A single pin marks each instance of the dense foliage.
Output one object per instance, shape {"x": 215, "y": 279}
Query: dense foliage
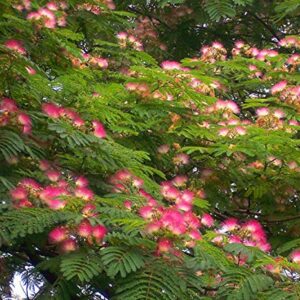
{"x": 128, "y": 175}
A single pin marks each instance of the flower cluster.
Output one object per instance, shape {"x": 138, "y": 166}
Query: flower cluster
{"x": 125, "y": 39}
{"x": 16, "y": 46}
{"x": 11, "y": 114}
{"x": 250, "y": 233}
{"x": 290, "y": 42}
{"x": 125, "y": 181}
{"x": 50, "y": 16}
{"x": 213, "y": 53}
{"x": 29, "y": 192}
{"x": 269, "y": 119}
{"x": 67, "y": 238}
{"x": 55, "y": 111}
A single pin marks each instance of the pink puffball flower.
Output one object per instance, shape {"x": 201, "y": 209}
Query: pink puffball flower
{"x": 239, "y": 44}
{"x": 99, "y": 232}
{"x": 30, "y": 70}
{"x": 230, "y": 225}
{"x": 262, "y": 112}
{"x": 85, "y": 229}
{"x": 56, "y": 204}
{"x": 44, "y": 165}
{"x": 57, "y": 235}
{"x": 252, "y": 226}
{"x": 295, "y": 256}
{"x": 207, "y": 220}
{"x": 180, "y": 180}
{"x": 170, "y": 65}
{"x": 24, "y": 119}
{"x": 223, "y": 131}
{"x": 19, "y": 193}
{"x": 52, "y": 110}
{"x": 191, "y": 220}
{"x": 30, "y": 184}
{"x": 122, "y": 35}
{"x": 163, "y": 149}
{"x": 102, "y": 62}
{"x": 181, "y": 159}
{"x": 187, "y": 195}
{"x": 51, "y": 192}
{"x": 9, "y": 105}
{"x": 278, "y": 113}
{"x": 128, "y": 204}
{"x": 278, "y": 87}
{"x": 52, "y": 6}
{"x": 85, "y": 193}
{"x": 164, "y": 245}
{"x": 68, "y": 245}
{"x": 24, "y": 203}
{"x": 146, "y": 212}
{"x": 81, "y": 181}
{"x": 184, "y": 205}
{"x": 240, "y": 130}
{"x": 89, "y": 210}
{"x": 53, "y": 175}
{"x": 15, "y": 46}
{"x": 195, "y": 235}
{"x": 153, "y": 227}
{"x": 99, "y": 130}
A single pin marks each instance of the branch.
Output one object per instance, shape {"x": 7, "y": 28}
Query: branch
{"x": 267, "y": 26}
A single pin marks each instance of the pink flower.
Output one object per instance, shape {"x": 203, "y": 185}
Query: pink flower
{"x": 252, "y": 226}
{"x": 181, "y": 159}
{"x": 44, "y": 165}
{"x": 88, "y": 210}
{"x": 30, "y": 183}
{"x": 99, "y": 130}
{"x": 187, "y": 195}
{"x": 295, "y": 256}
{"x": 184, "y": 205}
{"x": 52, "y": 110}
{"x": 180, "y": 180}
{"x": 53, "y": 175}
{"x": 240, "y": 130}
{"x": 230, "y": 224}
{"x": 99, "y": 232}
{"x": 191, "y": 220}
{"x": 127, "y": 204}
{"x": 171, "y": 65}
{"x": 234, "y": 239}
{"x": 153, "y": 227}
{"x": 15, "y": 46}
{"x": 239, "y": 44}
{"x": 9, "y": 105}
{"x": 102, "y": 63}
{"x": 223, "y": 131}
{"x": 81, "y": 181}
{"x": 56, "y": 204}
{"x": 122, "y": 35}
{"x": 195, "y": 234}
{"x": 19, "y": 193}
{"x": 50, "y": 192}
{"x": 163, "y": 149}
{"x": 24, "y": 203}
{"x": 278, "y": 87}
{"x": 57, "y": 235}
{"x": 146, "y": 212}
{"x": 30, "y": 70}
{"x": 68, "y": 245}
{"x": 164, "y": 245}
{"x": 262, "y": 112}
{"x": 278, "y": 113}
{"x": 85, "y": 229}
{"x": 207, "y": 220}
{"x": 52, "y": 6}
{"x": 84, "y": 193}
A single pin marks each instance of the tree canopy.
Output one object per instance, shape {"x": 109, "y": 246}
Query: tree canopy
{"x": 150, "y": 149}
